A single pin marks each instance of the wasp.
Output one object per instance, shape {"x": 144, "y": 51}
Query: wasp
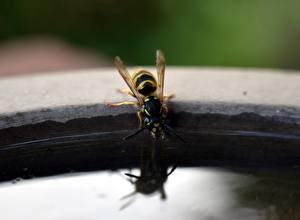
{"x": 150, "y": 100}
{"x": 154, "y": 172}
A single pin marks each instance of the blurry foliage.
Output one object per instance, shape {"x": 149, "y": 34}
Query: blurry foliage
{"x": 261, "y": 33}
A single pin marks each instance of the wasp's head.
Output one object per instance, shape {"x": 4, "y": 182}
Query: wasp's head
{"x": 154, "y": 125}
{"x": 144, "y": 82}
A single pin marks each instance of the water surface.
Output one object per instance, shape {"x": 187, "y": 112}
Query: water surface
{"x": 191, "y": 193}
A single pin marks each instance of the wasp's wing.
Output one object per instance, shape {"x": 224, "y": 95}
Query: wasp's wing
{"x": 160, "y": 67}
{"x": 124, "y": 73}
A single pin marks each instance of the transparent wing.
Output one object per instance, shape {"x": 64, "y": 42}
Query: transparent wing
{"x": 160, "y": 67}
{"x": 126, "y": 76}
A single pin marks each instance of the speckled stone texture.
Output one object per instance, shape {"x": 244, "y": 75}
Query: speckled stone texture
{"x": 63, "y": 96}
{"x": 59, "y": 122}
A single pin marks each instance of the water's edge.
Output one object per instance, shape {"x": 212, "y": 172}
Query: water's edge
{"x": 96, "y": 143}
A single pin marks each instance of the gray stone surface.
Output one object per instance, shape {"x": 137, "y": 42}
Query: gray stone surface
{"x": 63, "y": 96}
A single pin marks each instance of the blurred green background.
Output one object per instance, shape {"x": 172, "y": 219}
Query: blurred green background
{"x": 257, "y": 33}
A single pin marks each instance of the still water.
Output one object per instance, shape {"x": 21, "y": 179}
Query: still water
{"x": 189, "y": 193}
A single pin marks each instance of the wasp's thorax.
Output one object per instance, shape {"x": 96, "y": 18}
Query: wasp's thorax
{"x": 144, "y": 82}
{"x": 154, "y": 115}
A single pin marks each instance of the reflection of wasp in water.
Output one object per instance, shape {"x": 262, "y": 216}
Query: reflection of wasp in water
{"x": 149, "y": 94}
{"x": 153, "y": 174}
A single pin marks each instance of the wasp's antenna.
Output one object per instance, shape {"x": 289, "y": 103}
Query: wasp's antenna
{"x": 135, "y": 133}
{"x": 131, "y": 175}
{"x": 172, "y": 170}
{"x": 129, "y": 195}
{"x": 172, "y": 131}
{"x": 127, "y": 204}
{"x": 125, "y": 178}
{"x": 163, "y": 195}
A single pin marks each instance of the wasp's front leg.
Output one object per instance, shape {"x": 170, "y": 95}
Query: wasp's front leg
{"x": 123, "y": 103}
{"x": 168, "y": 97}
{"x": 140, "y": 118}
{"x": 125, "y": 91}
{"x": 165, "y": 110}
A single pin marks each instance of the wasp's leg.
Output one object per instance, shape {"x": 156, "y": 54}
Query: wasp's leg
{"x": 162, "y": 134}
{"x": 122, "y": 103}
{"x": 165, "y": 109}
{"x": 168, "y": 97}
{"x": 140, "y": 118}
{"x": 125, "y": 91}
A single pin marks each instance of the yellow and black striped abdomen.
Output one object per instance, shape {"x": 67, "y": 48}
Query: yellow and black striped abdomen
{"x": 144, "y": 82}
